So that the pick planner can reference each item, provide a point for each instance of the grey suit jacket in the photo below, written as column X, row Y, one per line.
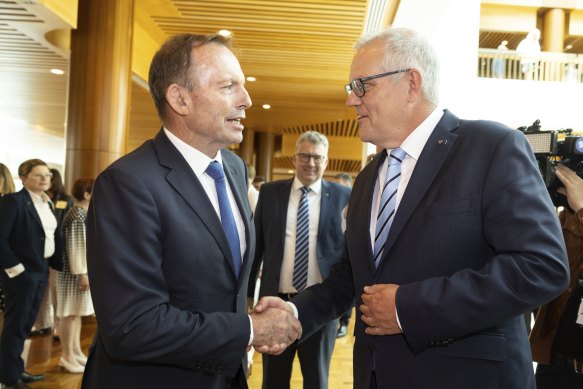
column 475, row 243
column 169, row 308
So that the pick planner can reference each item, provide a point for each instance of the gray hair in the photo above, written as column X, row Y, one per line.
column 406, row 48
column 314, row 137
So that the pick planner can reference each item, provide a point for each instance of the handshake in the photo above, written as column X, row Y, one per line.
column 274, row 326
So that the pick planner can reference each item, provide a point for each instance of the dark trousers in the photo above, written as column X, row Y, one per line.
column 314, row 354
column 559, row 374
column 23, row 296
column 345, row 318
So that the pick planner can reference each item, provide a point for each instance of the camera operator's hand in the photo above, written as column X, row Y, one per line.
column 572, row 186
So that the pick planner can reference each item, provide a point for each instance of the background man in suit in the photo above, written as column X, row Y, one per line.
column 29, row 242
column 170, row 241
column 279, row 218
column 474, row 243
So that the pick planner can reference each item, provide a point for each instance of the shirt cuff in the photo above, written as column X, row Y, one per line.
column 397, row 317
column 15, row 270
column 251, row 335
column 295, row 309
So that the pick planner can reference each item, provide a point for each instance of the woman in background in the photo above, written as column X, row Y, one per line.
column 73, row 297
column 6, row 186
column 46, row 319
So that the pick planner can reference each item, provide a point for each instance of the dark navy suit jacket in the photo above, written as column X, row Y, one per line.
column 475, row 243
column 22, row 237
column 170, row 310
column 270, row 224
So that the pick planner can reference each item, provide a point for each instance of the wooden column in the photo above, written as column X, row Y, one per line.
column 246, row 147
column 99, row 87
column 554, row 30
column 265, row 154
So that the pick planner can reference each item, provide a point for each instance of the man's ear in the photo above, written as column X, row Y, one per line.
column 415, row 82
column 177, row 99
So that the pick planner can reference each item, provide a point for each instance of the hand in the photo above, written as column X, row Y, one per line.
column 274, row 326
column 573, row 186
column 83, row 282
column 378, row 309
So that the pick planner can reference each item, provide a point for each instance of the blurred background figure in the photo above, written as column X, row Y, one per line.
column 529, row 50
column 258, row 181
column 30, row 242
column 6, row 186
column 346, row 180
column 556, row 339
column 73, row 296
column 252, row 192
column 46, row 321
column 499, row 62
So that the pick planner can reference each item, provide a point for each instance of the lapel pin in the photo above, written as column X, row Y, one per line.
column 442, row 142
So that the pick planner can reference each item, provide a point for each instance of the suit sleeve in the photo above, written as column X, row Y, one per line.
column 138, row 319
column 527, row 267
column 8, row 215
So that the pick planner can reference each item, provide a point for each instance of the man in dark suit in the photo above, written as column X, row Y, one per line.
column 29, row 242
column 170, row 239
column 475, row 241
column 278, row 222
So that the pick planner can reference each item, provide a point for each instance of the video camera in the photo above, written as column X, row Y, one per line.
column 550, row 148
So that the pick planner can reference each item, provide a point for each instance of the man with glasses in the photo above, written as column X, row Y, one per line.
column 443, row 270
column 299, row 238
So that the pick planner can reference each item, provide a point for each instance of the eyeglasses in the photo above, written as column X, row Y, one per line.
column 357, row 85
column 40, row 176
column 305, row 158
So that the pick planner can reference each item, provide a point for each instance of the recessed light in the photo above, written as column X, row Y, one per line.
column 57, row 71
column 225, row 33
column 266, row 106
column 251, row 79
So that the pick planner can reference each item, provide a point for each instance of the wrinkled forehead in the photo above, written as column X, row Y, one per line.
column 215, row 61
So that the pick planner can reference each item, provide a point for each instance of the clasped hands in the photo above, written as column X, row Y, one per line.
column 379, row 310
column 274, row 326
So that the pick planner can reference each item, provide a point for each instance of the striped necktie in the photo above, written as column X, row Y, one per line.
column 300, row 278
column 215, row 170
column 388, row 203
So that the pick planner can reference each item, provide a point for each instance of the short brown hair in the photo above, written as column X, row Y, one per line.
column 26, row 167
column 173, row 63
column 82, row 186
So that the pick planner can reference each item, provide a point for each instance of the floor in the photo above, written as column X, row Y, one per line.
column 42, row 354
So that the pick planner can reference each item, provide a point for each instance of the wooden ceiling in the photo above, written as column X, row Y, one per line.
column 298, row 50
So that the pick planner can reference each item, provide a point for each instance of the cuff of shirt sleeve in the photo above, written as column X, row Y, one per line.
column 251, row 333
column 15, row 270
column 295, row 309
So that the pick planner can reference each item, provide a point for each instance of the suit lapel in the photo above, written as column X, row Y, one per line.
column 435, row 152
column 282, row 206
column 184, row 181
column 30, row 208
column 324, row 210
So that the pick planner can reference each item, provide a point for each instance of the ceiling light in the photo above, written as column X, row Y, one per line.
column 251, row 79
column 266, row 106
column 57, row 71
column 225, row 33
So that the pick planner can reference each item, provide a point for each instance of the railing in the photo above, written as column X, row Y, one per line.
column 544, row 66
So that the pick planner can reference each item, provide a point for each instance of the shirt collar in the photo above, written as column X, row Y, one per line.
column 39, row 199
column 197, row 160
column 316, row 187
column 413, row 145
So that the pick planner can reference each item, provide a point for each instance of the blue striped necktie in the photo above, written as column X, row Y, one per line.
column 388, row 203
column 215, row 170
column 300, row 279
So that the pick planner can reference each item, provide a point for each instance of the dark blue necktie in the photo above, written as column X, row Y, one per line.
column 300, row 279
column 215, row 170
column 388, row 203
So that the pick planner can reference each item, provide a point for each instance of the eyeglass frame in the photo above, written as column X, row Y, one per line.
column 349, row 89
column 305, row 158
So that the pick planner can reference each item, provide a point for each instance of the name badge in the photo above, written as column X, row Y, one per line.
column 61, row 204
